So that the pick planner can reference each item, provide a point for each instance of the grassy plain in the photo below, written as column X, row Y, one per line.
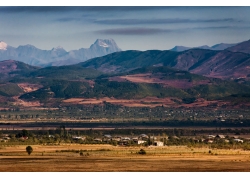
column 107, row 158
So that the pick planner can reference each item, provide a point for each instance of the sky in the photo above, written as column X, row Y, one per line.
column 132, row 27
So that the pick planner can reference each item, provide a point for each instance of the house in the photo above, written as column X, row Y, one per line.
column 98, row 140
column 116, row 139
column 158, row 143
column 138, row 141
column 210, row 136
column 238, row 140
column 107, row 136
column 143, row 136
column 6, row 138
column 78, row 138
column 125, row 139
column 220, row 136
column 209, row 141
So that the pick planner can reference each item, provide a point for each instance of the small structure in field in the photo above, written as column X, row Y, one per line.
column 141, row 142
column 210, row 136
column 116, row 138
column 238, row 140
column 158, row 143
column 143, row 136
column 209, row 141
column 98, row 140
column 220, row 136
column 78, row 138
column 107, row 136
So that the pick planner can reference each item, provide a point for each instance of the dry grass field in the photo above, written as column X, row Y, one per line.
column 107, row 158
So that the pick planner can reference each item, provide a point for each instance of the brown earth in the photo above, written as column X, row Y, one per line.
column 27, row 87
column 106, row 158
column 20, row 102
column 157, row 78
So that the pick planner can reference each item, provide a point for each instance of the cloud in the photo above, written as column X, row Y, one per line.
column 133, row 31
column 68, row 19
column 159, row 21
column 152, row 31
column 222, row 27
column 43, row 9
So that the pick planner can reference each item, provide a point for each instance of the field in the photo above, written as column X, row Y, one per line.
column 107, row 158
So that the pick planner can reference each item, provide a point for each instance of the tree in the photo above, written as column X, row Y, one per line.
column 29, row 149
column 25, row 133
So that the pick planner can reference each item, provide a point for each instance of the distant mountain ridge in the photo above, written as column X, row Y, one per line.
column 31, row 55
column 241, row 47
column 216, row 47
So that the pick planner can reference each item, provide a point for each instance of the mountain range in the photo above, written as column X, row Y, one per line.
column 180, row 77
column 222, row 64
column 58, row 56
column 31, row 55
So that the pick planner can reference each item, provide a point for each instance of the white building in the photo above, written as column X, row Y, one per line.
column 158, row 143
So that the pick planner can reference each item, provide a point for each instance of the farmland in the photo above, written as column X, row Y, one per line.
column 107, row 158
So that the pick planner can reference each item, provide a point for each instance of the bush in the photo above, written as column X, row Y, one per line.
column 29, row 149
column 142, row 151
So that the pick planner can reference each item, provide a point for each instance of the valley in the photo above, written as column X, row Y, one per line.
column 92, row 115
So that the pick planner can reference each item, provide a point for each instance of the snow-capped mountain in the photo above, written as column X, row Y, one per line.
column 3, row 45
column 56, row 56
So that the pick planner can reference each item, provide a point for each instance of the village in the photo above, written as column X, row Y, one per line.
column 140, row 140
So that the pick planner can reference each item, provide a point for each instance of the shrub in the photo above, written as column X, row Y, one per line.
column 142, row 151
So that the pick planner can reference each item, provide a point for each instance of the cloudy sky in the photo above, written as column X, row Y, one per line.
column 139, row 28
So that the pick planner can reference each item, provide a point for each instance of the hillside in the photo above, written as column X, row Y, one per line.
column 218, row 64
column 160, row 82
column 11, row 68
column 243, row 47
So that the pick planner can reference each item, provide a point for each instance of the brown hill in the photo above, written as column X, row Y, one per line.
column 241, row 47
column 224, row 64
column 9, row 68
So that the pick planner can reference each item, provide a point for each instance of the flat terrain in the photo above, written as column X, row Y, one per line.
column 107, row 158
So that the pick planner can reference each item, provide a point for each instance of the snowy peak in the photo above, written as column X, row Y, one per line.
column 101, row 42
column 3, row 45
column 31, row 55
column 106, row 43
